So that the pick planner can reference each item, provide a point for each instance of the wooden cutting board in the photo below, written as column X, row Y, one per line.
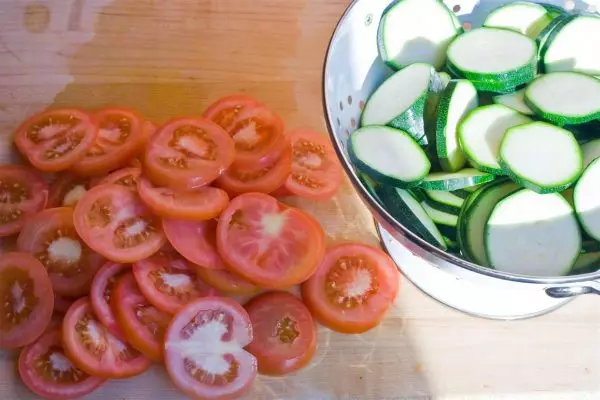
column 172, row 57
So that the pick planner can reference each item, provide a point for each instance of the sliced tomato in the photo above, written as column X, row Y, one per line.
column 26, row 299
column 62, row 304
column 127, row 177
column 316, row 171
column 144, row 324
column 168, row 281
column 353, row 289
column 226, row 281
column 102, row 292
column 113, row 221
column 121, row 135
column 204, row 350
column 93, row 349
column 51, row 237
column 236, row 181
column 67, row 189
column 196, row 241
column 47, row 371
column 188, row 153
column 268, row 243
column 225, row 111
column 23, row 193
column 55, row 140
column 281, row 191
column 285, row 336
column 194, row 205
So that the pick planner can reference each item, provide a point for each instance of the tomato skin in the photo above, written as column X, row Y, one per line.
column 196, row 241
column 225, row 281
column 16, row 211
column 324, row 293
column 46, row 388
column 285, row 336
column 127, row 177
column 102, row 293
column 35, row 147
column 225, row 110
column 198, row 205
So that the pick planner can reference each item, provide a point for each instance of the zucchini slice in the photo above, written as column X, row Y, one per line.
column 590, row 151
column 587, row 200
column 533, row 234
column 541, row 157
column 449, row 199
column 413, row 31
column 515, row 100
column 457, row 180
column 439, row 216
column 586, row 263
column 520, row 16
column 400, row 101
column 481, row 133
column 388, row 155
column 565, row 98
column 370, row 184
column 458, row 99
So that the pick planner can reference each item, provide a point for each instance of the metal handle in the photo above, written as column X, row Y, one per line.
column 561, row 292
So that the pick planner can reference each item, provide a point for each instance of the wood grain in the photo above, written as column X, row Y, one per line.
column 172, row 57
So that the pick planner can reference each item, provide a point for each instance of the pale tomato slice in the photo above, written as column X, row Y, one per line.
column 226, row 281
column 204, row 350
column 127, row 177
column 67, row 189
column 196, row 241
column 101, row 294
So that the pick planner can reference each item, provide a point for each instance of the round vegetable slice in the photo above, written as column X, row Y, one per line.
column 112, row 220
column 144, row 324
column 26, row 299
column 188, row 153
column 353, row 289
column 67, row 189
column 127, row 177
column 586, row 200
column 196, row 241
column 23, row 193
column 268, row 243
column 226, row 281
column 90, row 346
column 225, row 110
column 204, row 349
column 48, row 372
column 195, row 205
column 285, row 337
column 50, row 236
column 101, row 294
column 54, row 140
column 62, row 304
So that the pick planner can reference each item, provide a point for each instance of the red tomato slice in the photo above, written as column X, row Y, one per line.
column 51, row 238
column 281, row 191
column 268, row 243
column 144, row 324
column 196, row 241
column 195, row 205
column 353, row 288
column 204, row 350
column 127, row 177
column 225, row 110
column 226, row 281
column 67, row 189
column 236, row 181
column 54, row 140
column 48, row 372
column 188, row 153
column 101, row 294
column 285, row 336
column 93, row 349
column 168, row 281
column 26, row 300
column 112, row 220
column 62, row 304
column 121, row 135
column 316, row 170
column 23, row 193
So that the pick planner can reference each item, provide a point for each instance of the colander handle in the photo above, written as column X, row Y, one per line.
column 561, row 292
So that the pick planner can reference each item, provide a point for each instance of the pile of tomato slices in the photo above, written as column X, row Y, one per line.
column 169, row 243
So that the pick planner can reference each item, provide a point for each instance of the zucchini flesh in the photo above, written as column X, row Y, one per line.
column 587, row 200
column 440, row 217
column 590, row 151
column 515, row 100
column 457, row 180
column 447, row 198
column 524, row 17
column 533, row 234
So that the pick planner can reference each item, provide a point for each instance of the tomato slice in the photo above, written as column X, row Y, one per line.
column 225, row 110
column 144, row 324
column 101, row 294
column 195, row 205
column 26, row 299
column 23, row 193
column 96, row 351
column 168, row 281
column 204, row 349
column 236, row 181
column 62, row 304
column 285, row 336
column 188, row 153
column 226, row 281
column 196, row 241
column 55, row 140
column 316, row 170
column 127, row 177
column 268, row 243
column 47, row 371
column 121, row 135
column 67, row 189
column 112, row 220
column 353, row 288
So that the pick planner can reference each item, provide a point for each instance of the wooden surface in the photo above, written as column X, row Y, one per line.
column 171, row 57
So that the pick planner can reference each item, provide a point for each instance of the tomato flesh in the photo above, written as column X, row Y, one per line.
column 47, row 371
column 101, row 294
column 67, row 189
column 225, row 110
column 23, row 193
column 226, row 281
column 26, row 299
column 353, row 289
column 196, row 241
column 204, row 349
column 62, row 304
column 285, row 337
column 127, row 177
column 51, row 237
